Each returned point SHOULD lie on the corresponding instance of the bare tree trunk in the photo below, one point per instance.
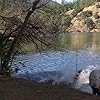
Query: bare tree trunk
(0, 61)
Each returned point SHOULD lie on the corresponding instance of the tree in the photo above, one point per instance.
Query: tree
(10, 39)
(90, 23)
(80, 4)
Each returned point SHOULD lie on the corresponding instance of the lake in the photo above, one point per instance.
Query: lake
(73, 52)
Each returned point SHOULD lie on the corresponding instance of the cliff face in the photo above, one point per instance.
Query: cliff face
(88, 20)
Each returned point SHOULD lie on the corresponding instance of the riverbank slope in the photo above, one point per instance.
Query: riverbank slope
(19, 89)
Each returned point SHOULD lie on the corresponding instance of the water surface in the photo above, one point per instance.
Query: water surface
(73, 52)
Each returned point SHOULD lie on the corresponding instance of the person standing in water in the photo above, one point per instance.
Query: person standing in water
(94, 81)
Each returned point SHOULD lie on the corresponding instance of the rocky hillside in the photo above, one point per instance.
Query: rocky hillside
(87, 20)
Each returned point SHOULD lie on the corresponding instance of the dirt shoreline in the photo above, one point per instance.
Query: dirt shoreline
(20, 89)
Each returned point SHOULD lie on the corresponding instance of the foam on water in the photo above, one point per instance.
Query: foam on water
(59, 67)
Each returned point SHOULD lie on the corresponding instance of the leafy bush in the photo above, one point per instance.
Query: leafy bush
(98, 22)
(66, 20)
(90, 23)
(86, 14)
(96, 16)
(98, 5)
(68, 6)
(79, 4)
(75, 12)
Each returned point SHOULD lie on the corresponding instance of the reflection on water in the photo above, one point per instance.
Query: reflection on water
(72, 41)
(77, 41)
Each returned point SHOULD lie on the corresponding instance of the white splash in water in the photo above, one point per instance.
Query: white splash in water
(83, 82)
(92, 51)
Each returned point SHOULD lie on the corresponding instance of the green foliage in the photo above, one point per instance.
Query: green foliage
(86, 14)
(53, 8)
(75, 12)
(80, 4)
(12, 4)
(77, 5)
(68, 6)
(66, 20)
(90, 23)
(98, 5)
(98, 22)
(96, 16)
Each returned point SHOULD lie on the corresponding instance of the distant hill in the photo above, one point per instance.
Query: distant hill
(68, 18)
(87, 20)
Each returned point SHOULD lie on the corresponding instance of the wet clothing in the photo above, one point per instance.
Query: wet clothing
(96, 91)
(94, 81)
